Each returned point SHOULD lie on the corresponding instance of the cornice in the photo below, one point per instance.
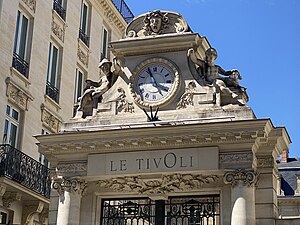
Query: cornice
(112, 15)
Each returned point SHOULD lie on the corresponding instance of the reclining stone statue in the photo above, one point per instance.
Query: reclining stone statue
(95, 89)
(211, 74)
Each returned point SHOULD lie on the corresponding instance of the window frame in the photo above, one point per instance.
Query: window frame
(86, 30)
(8, 122)
(83, 78)
(18, 35)
(104, 43)
(50, 76)
(42, 158)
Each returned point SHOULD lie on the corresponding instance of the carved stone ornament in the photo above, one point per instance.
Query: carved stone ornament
(242, 176)
(156, 23)
(74, 168)
(265, 161)
(30, 4)
(74, 186)
(17, 95)
(35, 214)
(166, 184)
(83, 56)
(187, 98)
(58, 31)
(123, 105)
(10, 197)
(236, 157)
(49, 120)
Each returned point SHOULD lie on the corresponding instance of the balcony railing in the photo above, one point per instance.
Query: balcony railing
(20, 64)
(83, 36)
(124, 10)
(52, 92)
(59, 9)
(21, 168)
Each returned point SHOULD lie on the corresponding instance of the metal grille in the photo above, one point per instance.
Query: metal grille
(191, 210)
(24, 170)
(59, 9)
(20, 64)
(124, 10)
(125, 212)
(52, 92)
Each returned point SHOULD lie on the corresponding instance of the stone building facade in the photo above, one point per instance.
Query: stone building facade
(171, 140)
(48, 49)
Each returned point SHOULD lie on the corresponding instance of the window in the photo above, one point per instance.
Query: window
(11, 126)
(84, 23)
(21, 43)
(60, 8)
(42, 158)
(3, 218)
(79, 84)
(105, 40)
(52, 89)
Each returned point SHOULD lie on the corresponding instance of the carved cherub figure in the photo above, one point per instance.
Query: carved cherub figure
(95, 90)
(154, 22)
(210, 72)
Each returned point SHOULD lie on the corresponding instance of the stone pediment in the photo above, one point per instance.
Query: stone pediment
(157, 23)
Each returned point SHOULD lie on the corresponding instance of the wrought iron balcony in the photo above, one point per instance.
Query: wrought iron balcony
(59, 9)
(124, 10)
(21, 168)
(52, 92)
(20, 64)
(83, 36)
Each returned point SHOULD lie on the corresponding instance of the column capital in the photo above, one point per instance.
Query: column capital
(245, 177)
(72, 185)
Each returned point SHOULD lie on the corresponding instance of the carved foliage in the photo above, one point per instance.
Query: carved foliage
(74, 186)
(245, 177)
(16, 95)
(78, 168)
(30, 4)
(235, 157)
(167, 184)
(49, 120)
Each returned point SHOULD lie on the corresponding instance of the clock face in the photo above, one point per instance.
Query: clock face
(155, 82)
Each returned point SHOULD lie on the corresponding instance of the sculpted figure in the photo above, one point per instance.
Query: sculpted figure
(211, 72)
(154, 22)
(95, 90)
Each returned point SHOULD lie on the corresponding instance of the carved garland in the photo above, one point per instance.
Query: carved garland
(72, 168)
(58, 31)
(167, 184)
(245, 177)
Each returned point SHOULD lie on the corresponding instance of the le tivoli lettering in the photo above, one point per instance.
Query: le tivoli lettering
(168, 161)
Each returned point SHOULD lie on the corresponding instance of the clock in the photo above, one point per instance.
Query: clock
(154, 82)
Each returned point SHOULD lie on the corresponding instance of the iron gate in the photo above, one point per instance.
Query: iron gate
(190, 210)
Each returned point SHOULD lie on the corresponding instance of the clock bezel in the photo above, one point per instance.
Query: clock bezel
(157, 60)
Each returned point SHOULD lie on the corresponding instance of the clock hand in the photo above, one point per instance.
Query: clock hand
(153, 81)
(163, 87)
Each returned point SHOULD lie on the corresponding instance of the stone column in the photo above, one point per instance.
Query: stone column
(70, 193)
(242, 196)
(297, 191)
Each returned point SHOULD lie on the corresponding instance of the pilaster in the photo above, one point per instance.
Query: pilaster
(242, 196)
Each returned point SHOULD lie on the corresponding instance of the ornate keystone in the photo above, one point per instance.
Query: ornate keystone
(245, 177)
(74, 186)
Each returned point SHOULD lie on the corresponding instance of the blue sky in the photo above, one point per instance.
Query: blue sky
(260, 38)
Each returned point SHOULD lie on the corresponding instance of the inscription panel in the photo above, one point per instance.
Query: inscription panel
(154, 161)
